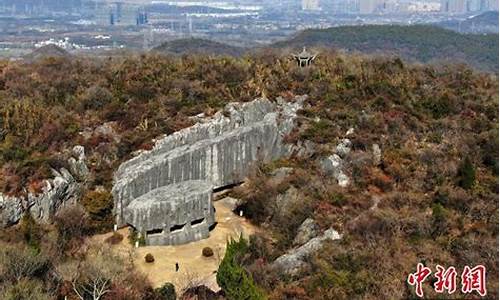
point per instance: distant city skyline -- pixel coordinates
(329, 6)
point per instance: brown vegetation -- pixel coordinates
(434, 205)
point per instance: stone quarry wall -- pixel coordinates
(220, 150)
(173, 214)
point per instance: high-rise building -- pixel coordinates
(345, 6)
(310, 5)
(368, 6)
(454, 6)
(493, 5)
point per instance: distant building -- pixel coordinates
(465, 6)
(368, 6)
(120, 14)
(310, 5)
(345, 6)
(454, 6)
(490, 5)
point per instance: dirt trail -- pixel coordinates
(194, 268)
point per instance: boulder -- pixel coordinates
(333, 166)
(11, 210)
(343, 148)
(77, 165)
(304, 149)
(294, 261)
(307, 230)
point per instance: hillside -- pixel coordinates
(47, 51)
(198, 46)
(399, 160)
(414, 43)
(486, 22)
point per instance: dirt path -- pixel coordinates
(194, 268)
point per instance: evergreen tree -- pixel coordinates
(232, 277)
(466, 174)
(167, 291)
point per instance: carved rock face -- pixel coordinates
(173, 214)
(220, 151)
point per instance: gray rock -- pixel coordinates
(377, 155)
(78, 165)
(107, 129)
(349, 132)
(304, 149)
(11, 210)
(220, 150)
(307, 230)
(333, 166)
(57, 192)
(173, 214)
(294, 261)
(343, 148)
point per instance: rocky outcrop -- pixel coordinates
(77, 165)
(333, 165)
(56, 192)
(376, 154)
(294, 261)
(307, 230)
(343, 148)
(220, 150)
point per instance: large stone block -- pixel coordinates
(220, 150)
(173, 214)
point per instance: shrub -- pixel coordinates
(115, 238)
(207, 252)
(233, 278)
(95, 97)
(439, 220)
(99, 205)
(31, 231)
(71, 223)
(466, 174)
(25, 289)
(166, 291)
(149, 258)
(21, 262)
(133, 237)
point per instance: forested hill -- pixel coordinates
(198, 46)
(419, 43)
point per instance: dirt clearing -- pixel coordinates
(194, 269)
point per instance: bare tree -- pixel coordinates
(93, 277)
(90, 280)
(19, 262)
